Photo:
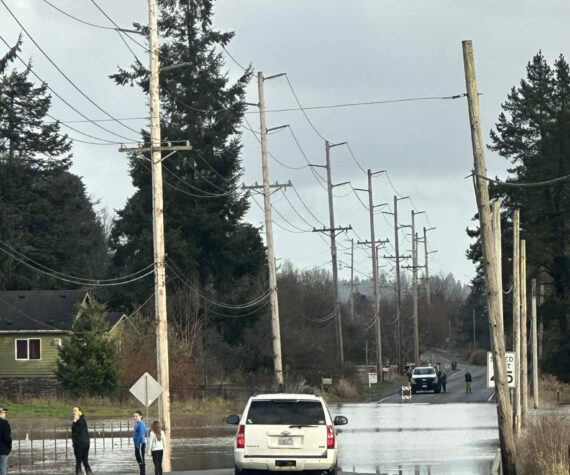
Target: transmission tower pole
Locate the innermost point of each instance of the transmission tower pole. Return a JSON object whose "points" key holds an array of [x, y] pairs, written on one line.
{"points": [[490, 264], [276, 335]]}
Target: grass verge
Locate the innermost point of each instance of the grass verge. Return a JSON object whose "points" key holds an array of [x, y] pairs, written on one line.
{"points": [[543, 446]]}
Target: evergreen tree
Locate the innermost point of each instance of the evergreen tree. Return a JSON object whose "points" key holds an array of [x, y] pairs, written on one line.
{"points": [[87, 363], [533, 133], [45, 213], [206, 237]]}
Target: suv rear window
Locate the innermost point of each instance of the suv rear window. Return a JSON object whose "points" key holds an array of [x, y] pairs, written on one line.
{"points": [[430, 371], [286, 413]]}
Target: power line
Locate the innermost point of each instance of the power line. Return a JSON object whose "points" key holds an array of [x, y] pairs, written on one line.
{"points": [[295, 209], [523, 185], [117, 28], [368, 103], [234, 60], [257, 300], [77, 278], [120, 30], [78, 89], [73, 281], [63, 100], [300, 107]]}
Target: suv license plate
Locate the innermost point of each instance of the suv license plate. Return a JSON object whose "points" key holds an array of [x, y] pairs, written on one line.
{"points": [[286, 441]]}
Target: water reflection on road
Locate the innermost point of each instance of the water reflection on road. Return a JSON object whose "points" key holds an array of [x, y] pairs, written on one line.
{"points": [[414, 438], [418, 438]]}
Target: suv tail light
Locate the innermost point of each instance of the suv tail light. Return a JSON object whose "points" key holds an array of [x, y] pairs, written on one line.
{"points": [[330, 437], [241, 437]]}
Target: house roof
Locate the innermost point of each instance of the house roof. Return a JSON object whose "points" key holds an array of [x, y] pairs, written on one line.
{"points": [[39, 310], [113, 318]]}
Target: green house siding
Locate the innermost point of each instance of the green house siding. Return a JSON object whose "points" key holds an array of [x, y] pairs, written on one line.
{"points": [[45, 366]]}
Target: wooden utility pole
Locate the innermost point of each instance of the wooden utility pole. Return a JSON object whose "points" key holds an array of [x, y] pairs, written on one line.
{"points": [[398, 291], [377, 318], [516, 318], [534, 343], [332, 233], [474, 339], [352, 280], [397, 257], [158, 234], [334, 255], [415, 288], [506, 435], [375, 279], [276, 334], [426, 253], [524, 340], [499, 253]]}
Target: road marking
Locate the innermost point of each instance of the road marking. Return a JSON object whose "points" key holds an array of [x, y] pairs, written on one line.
{"points": [[387, 397]]}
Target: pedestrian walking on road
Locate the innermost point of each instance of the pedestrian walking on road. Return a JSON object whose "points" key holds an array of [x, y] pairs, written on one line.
{"points": [[443, 380], [5, 441], [156, 441], [139, 438], [467, 382], [80, 439]]}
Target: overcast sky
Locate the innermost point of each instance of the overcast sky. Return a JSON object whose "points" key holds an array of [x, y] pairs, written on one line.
{"points": [[334, 52]]}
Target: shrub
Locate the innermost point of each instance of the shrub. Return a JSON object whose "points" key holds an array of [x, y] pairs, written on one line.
{"points": [[543, 446], [478, 357]]}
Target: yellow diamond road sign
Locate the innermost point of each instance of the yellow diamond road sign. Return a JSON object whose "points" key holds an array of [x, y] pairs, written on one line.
{"points": [[146, 389]]}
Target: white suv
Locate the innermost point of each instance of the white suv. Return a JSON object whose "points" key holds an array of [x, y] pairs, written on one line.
{"points": [[285, 433]]}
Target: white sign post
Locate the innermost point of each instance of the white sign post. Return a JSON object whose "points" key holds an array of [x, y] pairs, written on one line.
{"points": [[146, 390], [511, 370], [372, 379]]}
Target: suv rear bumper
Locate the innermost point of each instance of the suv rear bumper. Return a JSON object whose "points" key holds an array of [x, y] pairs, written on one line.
{"points": [[285, 464]]}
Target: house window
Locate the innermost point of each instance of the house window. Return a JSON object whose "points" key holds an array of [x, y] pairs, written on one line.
{"points": [[28, 349]]}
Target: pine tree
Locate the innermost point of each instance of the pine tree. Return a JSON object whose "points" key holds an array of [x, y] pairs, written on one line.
{"points": [[206, 237], [87, 363], [45, 212]]}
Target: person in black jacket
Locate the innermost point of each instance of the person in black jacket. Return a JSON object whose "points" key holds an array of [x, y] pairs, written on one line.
{"points": [[80, 438], [443, 380], [5, 441], [468, 380]]}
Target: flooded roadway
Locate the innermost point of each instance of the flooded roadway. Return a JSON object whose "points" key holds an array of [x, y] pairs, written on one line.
{"points": [[437, 434]]}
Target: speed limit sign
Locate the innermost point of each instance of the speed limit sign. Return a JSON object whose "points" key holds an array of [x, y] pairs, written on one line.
{"points": [[511, 369]]}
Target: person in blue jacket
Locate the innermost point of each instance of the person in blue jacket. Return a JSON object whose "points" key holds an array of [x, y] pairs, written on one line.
{"points": [[139, 438]]}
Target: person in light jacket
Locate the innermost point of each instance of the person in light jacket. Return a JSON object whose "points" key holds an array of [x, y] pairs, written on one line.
{"points": [[80, 439], [156, 441], [139, 439]]}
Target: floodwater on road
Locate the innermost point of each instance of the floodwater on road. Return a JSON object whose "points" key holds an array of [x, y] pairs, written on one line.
{"points": [[386, 438], [418, 438]]}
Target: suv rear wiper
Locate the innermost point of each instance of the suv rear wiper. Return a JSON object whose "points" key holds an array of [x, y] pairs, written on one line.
{"points": [[303, 425]]}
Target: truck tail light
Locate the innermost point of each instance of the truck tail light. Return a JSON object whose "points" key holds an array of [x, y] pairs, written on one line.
{"points": [[330, 437], [241, 437]]}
